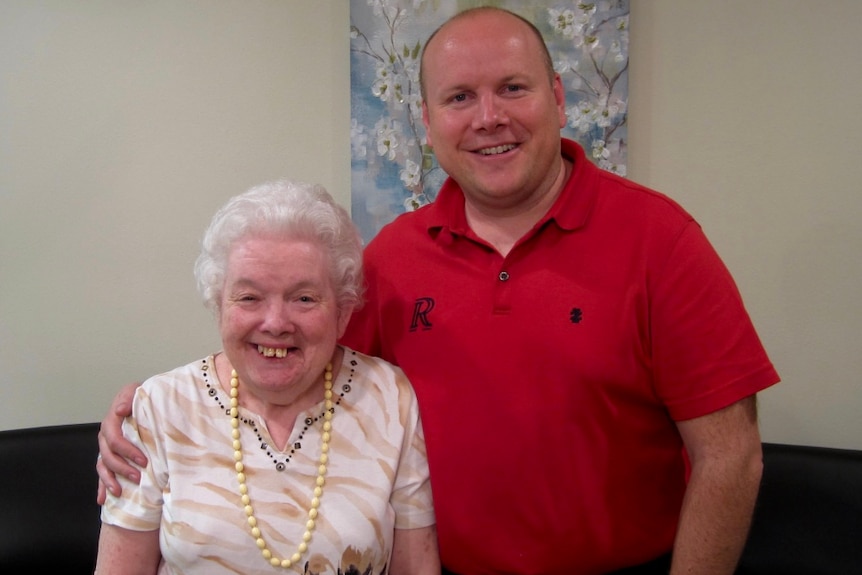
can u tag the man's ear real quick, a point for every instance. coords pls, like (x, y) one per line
(560, 97)
(426, 123)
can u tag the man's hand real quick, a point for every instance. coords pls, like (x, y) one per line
(115, 451)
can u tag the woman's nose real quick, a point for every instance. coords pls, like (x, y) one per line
(277, 318)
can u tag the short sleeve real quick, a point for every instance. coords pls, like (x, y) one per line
(411, 494)
(707, 353)
(139, 508)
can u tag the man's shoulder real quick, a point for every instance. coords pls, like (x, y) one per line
(405, 230)
(590, 185)
(629, 196)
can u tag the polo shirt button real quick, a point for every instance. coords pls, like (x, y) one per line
(504, 276)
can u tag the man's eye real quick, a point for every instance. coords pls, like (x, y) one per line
(513, 88)
(459, 98)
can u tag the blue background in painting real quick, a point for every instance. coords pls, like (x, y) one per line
(377, 191)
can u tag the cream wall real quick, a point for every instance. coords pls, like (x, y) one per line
(748, 112)
(123, 125)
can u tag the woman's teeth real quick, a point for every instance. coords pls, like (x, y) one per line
(271, 351)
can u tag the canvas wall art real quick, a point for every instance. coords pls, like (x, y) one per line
(392, 168)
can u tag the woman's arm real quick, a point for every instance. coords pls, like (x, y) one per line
(126, 552)
(414, 552)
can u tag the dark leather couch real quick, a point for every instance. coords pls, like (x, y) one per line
(49, 519)
(808, 519)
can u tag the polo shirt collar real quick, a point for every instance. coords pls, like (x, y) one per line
(570, 211)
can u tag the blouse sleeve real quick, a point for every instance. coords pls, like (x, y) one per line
(411, 494)
(139, 508)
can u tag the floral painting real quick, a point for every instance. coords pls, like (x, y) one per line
(393, 170)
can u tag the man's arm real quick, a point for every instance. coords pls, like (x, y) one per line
(726, 466)
(114, 449)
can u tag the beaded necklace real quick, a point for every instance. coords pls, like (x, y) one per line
(318, 487)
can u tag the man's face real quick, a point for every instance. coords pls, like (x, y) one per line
(491, 113)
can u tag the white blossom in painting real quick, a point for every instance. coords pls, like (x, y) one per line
(394, 170)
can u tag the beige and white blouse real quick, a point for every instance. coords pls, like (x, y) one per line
(377, 477)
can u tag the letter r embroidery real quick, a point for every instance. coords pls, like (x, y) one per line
(421, 309)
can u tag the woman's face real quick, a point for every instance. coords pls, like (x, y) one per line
(278, 317)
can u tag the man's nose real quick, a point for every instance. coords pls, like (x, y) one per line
(490, 113)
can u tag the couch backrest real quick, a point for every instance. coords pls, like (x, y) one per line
(808, 518)
(49, 518)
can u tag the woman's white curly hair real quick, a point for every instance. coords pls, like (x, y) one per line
(289, 209)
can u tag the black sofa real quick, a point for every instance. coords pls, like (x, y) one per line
(808, 519)
(49, 519)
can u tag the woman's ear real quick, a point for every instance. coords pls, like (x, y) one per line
(344, 315)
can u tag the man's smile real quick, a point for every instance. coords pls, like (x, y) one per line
(497, 150)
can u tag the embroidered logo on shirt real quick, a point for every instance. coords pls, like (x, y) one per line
(576, 315)
(421, 310)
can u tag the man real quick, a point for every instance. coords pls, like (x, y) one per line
(585, 367)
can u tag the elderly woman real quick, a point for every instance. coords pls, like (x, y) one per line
(283, 451)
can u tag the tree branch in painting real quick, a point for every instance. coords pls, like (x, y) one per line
(588, 42)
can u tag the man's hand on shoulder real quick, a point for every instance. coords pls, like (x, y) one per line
(115, 451)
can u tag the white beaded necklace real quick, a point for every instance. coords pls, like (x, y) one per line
(318, 487)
